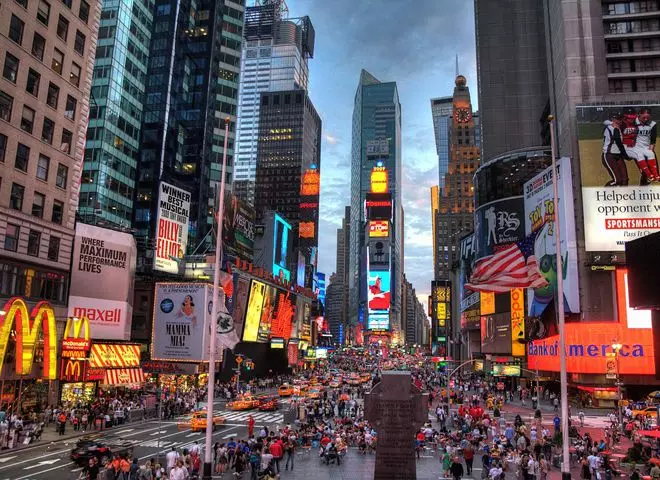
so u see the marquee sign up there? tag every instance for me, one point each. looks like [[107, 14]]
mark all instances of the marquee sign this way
[[105, 355], [76, 338], [27, 327]]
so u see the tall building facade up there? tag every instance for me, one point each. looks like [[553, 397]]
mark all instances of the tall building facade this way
[[289, 165], [112, 150], [275, 57], [441, 111], [47, 50], [512, 75], [333, 308], [192, 88], [376, 149]]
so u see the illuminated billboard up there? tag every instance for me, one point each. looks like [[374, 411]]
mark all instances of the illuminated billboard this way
[[618, 167], [378, 206], [506, 370], [379, 228], [238, 227], [171, 227], [379, 299], [379, 180], [268, 308], [253, 314], [496, 333], [281, 234]]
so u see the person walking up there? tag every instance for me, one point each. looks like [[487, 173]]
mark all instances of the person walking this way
[[468, 455], [290, 450], [250, 425], [456, 469]]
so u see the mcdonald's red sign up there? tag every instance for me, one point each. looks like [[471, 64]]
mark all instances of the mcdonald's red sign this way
[[72, 370]]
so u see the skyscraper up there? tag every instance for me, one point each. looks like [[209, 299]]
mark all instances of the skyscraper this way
[[48, 54], [512, 74], [113, 135], [441, 110], [275, 57], [192, 87], [375, 260]]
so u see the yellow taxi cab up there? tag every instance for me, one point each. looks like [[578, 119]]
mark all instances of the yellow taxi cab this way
[[335, 383], [244, 402], [353, 379], [646, 412], [365, 377], [285, 390], [197, 422]]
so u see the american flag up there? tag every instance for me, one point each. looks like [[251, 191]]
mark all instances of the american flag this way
[[512, 267]]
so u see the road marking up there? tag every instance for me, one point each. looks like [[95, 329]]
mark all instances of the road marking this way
[[126, 431], [77, 469], [158, 432], [6, 459], [41, 463], [228, 436], [191, 434]]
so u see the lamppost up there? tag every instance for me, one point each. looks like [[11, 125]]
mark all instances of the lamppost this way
[[616, 347]]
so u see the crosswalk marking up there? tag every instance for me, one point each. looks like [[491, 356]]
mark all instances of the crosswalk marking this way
[[269, 417]]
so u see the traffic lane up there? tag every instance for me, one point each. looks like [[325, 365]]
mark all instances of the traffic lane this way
[[48, 467]]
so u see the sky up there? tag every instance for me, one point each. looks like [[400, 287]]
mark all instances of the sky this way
[[415, 47]]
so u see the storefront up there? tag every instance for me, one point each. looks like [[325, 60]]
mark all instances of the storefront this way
[[119, 365], [76, 345], [78, 392], [172, 377]]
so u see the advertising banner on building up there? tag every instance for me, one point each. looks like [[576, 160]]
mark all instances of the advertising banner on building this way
[[102, 275], [498, 224], [238, 228], [171, 227], [180, 315], [240, 299], [253, 313], [310, 188], [517, 322], [110, 355], [468, 249], [379, 228], [618, 168], [267, 311], [496, 333], [281, 236], [379, 299], [539, 216]]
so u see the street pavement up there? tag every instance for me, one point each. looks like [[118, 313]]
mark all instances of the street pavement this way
[[49, 458]]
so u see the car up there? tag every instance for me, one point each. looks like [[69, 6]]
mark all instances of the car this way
[[646, 412], [268, 403], [353, 379], [244, 402], [335, 383], [197, 422], [103, 448], [365, 377], [285, 390]]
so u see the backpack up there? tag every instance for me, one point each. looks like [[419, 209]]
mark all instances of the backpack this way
[[254, 459]]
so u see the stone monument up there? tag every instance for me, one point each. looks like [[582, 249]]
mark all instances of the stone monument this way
[[396, 408]]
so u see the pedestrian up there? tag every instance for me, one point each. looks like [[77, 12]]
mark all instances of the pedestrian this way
[[250, 425], [456, 469], [468, 455], [290, 450], [61, 423], [178, 472]]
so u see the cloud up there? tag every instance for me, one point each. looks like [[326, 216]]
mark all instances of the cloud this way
[[330, 139]]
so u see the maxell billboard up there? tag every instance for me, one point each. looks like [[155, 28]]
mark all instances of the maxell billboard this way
[[619, 173], [171, 227], [102, 277]]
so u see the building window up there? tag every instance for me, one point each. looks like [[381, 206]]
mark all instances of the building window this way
[[53, 95], [54, 248], [58, 212], [43, 165], [22, 3], [43, 12], [62, 174], [32, 84], [70, 109], [47, 131], [6, 103], [38, 46], [67, 3], [16, 28], [67, 138], [79, 44], [10, 71], [17, 194], [3, 147], [38, 204], [62, 28], [22, 157], [58, 60], [83, 13], [27, 120], [74, 76], [34, 240], [11, 237]]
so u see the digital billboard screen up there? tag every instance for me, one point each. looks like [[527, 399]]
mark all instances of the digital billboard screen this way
[[496, 333], [253, 314], [281, 234], [506, 370], [267, 312], [379, 299], [379, 228]]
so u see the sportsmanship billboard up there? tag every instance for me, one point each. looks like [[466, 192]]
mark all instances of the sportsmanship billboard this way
[[238, 228], [539, 208], [171, 227], [379, 300], [102, 275], [498, 223], [180, 316], [619, 174]]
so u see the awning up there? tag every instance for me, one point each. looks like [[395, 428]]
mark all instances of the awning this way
[[123, 377]]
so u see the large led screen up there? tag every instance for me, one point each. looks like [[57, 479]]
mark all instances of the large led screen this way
[[379, 299], [253, 314]]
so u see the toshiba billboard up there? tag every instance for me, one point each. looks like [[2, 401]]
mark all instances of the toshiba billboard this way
[[589, 345], [102, 277]]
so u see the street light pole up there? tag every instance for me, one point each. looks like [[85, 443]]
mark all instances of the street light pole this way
[[563, 377], [212, 328], [616, 347]]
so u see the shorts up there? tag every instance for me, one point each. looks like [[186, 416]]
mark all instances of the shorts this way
[[640, 153]]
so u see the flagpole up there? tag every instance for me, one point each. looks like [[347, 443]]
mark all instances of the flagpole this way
[[563, 380], [208, 453]]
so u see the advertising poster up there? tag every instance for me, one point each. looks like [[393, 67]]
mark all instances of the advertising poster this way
[[253, 314], [171, 227], [379, 228], [238, 227], [283, 319], [240, 300], [496, 333], [518, 322], [180, 315], [267, 312], [539, 215], [619, 169], [300, 270], [281, 234], [102, 275], [506, 370], [379, 299], [468, 299], [497, 224]]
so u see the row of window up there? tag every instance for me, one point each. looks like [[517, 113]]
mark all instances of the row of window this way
[[22, 160], [43, 15], [623, 8], [38, 204], [12, 236], [27, 282], [636, 26], [635, 85]]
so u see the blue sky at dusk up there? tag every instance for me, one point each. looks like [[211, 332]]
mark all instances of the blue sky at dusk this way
[[415, 47]]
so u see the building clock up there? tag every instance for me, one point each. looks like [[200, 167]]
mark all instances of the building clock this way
[[463, 115]]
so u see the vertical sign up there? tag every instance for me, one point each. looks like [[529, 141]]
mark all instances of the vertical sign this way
[[517, 322], [172, 227], [487, 303]]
